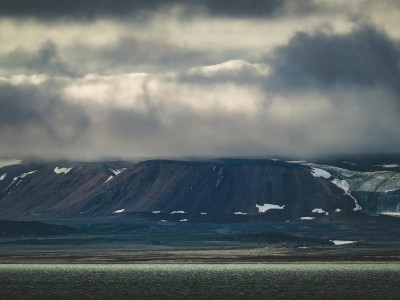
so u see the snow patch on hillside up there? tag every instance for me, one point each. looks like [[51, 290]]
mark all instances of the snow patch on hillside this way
[[340, 242], [389, 166], [239, 213], [119, 211], [263, 208], [320, 173], [3, 176], [220, 177], [9, 162], [318, 210], [183, 220], [58, 170], [387, 191], [391, 214], [109, 178], [19, 177], [156, 212], [178, 212], [116, 172], [344, 185], [23, 175], [307, 218], [9, 186]]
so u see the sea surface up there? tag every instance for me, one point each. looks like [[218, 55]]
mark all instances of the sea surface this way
[[200, 281]]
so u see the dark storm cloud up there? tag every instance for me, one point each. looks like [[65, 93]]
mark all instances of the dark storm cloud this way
[[75, 9], [45, 59], [25, 108], [243, 8], [354, 77], [129, 88], [89, 9], [363, 57]]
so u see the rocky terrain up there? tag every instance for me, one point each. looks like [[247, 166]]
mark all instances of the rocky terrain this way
[[208, 190], [377, 191]]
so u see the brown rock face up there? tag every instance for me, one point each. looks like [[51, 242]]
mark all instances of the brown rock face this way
[[213, 189]]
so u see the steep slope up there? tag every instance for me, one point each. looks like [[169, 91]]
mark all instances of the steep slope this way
[[46, 188], [377, 190], [214, 189]]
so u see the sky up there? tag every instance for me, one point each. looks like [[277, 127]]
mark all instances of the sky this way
[[167, 78]]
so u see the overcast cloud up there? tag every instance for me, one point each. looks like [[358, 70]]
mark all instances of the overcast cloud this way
[[93, 79]]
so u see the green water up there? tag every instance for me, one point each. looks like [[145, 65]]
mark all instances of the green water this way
[[201, 281]]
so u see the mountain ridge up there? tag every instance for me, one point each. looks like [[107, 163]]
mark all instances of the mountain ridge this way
[[212, 190]]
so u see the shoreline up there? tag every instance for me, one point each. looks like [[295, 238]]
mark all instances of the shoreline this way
[[191, 257]]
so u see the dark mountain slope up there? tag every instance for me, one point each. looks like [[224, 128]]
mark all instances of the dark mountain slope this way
[[235, 187], [220, 187]]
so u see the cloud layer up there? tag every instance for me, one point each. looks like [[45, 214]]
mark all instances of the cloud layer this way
[[90, 9], [198, 78]]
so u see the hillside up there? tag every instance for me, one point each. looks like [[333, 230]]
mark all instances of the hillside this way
[[219, 190]]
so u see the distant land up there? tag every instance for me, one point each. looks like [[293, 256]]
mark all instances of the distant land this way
[[201, 210], [216, 190]]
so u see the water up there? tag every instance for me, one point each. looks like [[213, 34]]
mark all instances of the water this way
[[200, 281]]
